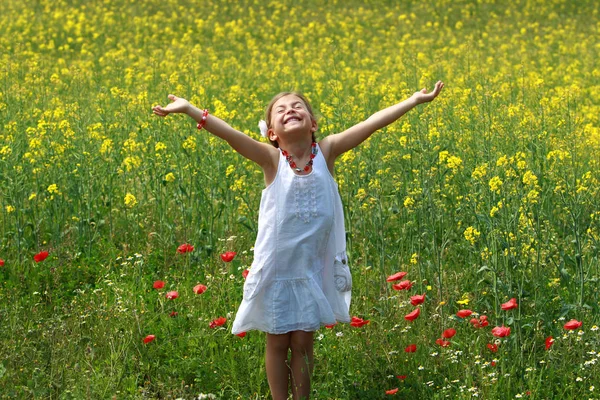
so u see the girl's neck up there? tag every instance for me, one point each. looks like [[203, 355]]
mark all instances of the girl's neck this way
[[299, 149]]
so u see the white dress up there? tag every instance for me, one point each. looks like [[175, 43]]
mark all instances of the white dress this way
[[299, 279]]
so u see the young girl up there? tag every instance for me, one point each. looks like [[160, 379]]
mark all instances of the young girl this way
[[299, 279]]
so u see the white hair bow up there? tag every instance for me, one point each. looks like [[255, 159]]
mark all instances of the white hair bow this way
[[262, 125]]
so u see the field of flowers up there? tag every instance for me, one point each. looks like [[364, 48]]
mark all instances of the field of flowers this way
[[473, 222]]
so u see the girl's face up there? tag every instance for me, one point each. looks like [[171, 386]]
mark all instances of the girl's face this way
[[290, 115]]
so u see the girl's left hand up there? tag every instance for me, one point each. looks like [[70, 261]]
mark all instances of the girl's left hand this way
[[424, 97]]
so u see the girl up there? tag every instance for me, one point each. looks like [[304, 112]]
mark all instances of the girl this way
[[299, 279]]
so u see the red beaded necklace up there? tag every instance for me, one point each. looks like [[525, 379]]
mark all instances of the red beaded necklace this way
[[292, 163]]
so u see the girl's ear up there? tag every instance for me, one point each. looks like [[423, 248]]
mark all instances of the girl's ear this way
[[271, 135], [314, 126]]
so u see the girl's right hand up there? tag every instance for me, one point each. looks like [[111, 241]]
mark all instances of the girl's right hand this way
[[177, 105]]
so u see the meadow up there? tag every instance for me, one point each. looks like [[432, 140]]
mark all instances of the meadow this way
[[488, 198]]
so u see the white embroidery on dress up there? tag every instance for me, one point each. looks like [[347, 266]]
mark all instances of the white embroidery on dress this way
[[305, 197]]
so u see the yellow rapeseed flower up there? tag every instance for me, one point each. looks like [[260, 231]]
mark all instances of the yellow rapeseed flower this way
[[471, 234], [414, 259], [160, 146], [170, 177], [53, 189], [190, 143], [130, 200], [480, 171], [495, 184], [530, 179], [361, 194]]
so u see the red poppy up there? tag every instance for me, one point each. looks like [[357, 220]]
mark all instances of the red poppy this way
[[411, 348], [401, 377], [158, 285], [217, 322], [358, 322], [464, 313], [245, 273], [330, 326], [185, 248], [492, 347], [228, 256], [241, 334], [493, 363], [1, 262], [448, 333], [417, 299], [479, 323], [172, 295], [442, 342], [41, 256], [396, 277], [413, 315], [509, 305], [573, 324], [404, 285], [149, 338], [549, 342], [501, 331], [199, 288], [391, 391], [173, 314]]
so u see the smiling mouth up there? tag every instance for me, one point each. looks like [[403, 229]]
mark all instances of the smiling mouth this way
[[291, 119]]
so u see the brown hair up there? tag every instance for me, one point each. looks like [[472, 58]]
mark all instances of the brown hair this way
[[279, 96]]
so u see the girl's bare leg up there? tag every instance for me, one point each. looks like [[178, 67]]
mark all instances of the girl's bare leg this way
[[301, 363], [278, 372]]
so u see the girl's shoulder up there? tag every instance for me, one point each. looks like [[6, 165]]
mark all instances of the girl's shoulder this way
[[325, 147]]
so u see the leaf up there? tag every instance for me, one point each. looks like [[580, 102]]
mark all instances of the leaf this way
[[566, 308], [484, 268]]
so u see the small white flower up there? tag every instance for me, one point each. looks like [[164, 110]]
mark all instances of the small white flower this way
[[320, 337], [421, 368], [262, 125], [578, 379], [594, 328], [339, 334]]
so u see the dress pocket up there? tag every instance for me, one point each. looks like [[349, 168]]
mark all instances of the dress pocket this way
[[253, 280], [341, 274]]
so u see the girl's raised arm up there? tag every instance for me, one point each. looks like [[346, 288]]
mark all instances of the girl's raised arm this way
[[350, 138], [261, 153]]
